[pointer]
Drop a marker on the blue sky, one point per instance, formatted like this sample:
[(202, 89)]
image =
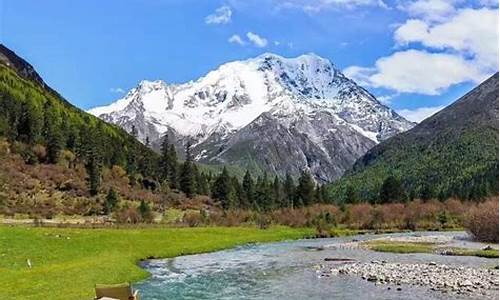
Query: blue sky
[(416, 55)]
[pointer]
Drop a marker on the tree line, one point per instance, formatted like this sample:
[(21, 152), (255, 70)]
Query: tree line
[(255, 193)]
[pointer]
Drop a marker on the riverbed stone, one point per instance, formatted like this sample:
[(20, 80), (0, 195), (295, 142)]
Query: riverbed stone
[(437, 277)]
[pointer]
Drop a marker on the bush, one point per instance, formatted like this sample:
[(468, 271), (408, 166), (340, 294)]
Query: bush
[(4, 147), (128, 215), (482, 221), (40, 152), (193, 218)]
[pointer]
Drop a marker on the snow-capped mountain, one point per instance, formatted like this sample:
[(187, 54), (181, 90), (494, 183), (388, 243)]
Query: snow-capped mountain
[(273, 113)]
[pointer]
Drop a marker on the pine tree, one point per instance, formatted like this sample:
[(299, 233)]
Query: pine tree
[(277, 193), (350, 195), (111, 200), (248, 187), (202, 186), (391, 190), (263, 193), (221, 189), (93, 167), (289, 190), (236, 195), (164, 158), (145, 212), (28, 124), (52, 134), (187, 177), (172, 167), (305, 189)]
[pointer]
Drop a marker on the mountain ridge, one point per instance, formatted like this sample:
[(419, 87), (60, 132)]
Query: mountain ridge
[(212, 111)]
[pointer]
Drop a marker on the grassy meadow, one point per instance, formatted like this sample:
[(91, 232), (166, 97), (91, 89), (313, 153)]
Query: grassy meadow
[(66, 263), (420, 247)]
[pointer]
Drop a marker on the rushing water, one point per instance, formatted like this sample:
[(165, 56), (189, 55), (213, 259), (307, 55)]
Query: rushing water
[(283, 270)]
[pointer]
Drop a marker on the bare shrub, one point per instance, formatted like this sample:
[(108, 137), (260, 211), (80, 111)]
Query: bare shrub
[(482, 221), (359, 216), (40, 152), (127, 215), (193, 218)]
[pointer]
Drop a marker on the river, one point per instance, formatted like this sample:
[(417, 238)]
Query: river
[(286, 270)]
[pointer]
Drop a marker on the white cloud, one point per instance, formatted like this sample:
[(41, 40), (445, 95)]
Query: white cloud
[(117, 90), (276, 43), (417, 71), (471, 32), (419, 114), (222, 15), (455, 45), (257, 40), (430, 10), (386, 99), (236, 39)]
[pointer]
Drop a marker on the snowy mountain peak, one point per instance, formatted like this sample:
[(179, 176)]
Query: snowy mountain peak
[(298, 93)]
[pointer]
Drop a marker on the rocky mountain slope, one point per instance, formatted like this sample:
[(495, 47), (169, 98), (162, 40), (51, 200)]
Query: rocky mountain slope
[(453, 153), (280, 115)]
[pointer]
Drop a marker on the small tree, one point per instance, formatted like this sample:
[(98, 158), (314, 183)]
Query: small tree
[(305, 189), (93, 167), (111, 201), (52, 133), (172, 166), (391, 190), (289, 190), (248, 187), (187, 177), (221, 189), (145, 212)]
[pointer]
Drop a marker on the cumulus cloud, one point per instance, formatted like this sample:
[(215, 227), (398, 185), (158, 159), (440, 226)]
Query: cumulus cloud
[(471, 32), (430, 10), (257, 40), (117, 90), (417, 71), (419, 114), (236, 39), (222, 15), (453, 45)]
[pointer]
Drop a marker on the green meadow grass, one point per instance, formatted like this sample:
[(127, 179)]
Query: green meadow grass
[(491, 253), (409, 247), (66, 263), (400, 247)]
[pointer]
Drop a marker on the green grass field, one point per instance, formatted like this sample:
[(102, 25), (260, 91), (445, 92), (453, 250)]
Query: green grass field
[(66, 263)]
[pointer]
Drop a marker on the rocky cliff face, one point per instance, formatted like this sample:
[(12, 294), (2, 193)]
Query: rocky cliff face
[(273, 113)]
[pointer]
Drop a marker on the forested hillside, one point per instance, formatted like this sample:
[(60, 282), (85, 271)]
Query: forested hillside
[(57, 158), (453, 153)]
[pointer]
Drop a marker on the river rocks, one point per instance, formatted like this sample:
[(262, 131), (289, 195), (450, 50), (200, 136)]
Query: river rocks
[(437, 277)]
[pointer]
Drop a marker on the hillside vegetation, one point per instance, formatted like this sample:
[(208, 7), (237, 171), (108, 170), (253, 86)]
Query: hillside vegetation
[(60, 160), (454, 153)]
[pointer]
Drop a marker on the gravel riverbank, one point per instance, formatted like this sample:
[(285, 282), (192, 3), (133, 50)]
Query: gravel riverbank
[(438, 277)]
